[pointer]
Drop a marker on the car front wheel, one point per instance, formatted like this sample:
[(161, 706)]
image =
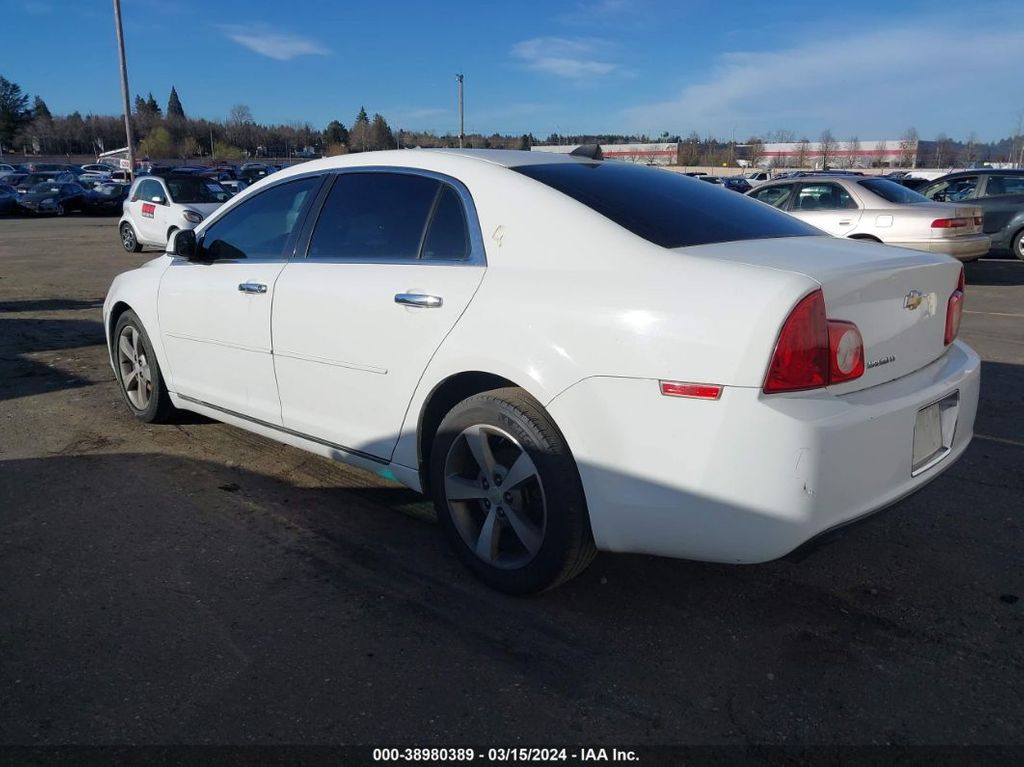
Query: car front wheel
[(138, 372), (508, 494), (128, 238)]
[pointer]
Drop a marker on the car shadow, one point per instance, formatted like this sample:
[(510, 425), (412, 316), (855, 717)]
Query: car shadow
[(50, 305), (990, 271), (21, 374)]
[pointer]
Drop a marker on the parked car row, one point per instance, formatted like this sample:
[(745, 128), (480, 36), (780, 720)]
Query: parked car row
[(965, 214), (51, 193)]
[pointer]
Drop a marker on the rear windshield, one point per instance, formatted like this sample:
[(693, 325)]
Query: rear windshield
[(666, 208), (891, 191)]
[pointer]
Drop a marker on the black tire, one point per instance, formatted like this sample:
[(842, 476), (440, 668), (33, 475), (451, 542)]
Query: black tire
[(566, 545), (59, 210), (170, 234), (129, 240), (158, 407), (1017, 245)]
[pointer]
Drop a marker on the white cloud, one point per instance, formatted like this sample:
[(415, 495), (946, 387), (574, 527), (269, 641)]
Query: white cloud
[(571, 58), (275, 45), (856, 83)]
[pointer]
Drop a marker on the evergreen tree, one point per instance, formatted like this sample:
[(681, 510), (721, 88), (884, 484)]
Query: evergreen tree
[(40, 111), (381, 136), (335, 133), (140, 105), (152, 107), (359, 136), (13, 110), (174, 108)]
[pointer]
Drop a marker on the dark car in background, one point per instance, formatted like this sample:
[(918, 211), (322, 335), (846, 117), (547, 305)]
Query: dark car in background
[(53, 198), (107, 198), (1000, 195), (8, 199), (736, 184), (31, 180)]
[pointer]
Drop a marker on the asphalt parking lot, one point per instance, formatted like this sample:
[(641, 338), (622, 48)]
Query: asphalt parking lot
[(194, 583)]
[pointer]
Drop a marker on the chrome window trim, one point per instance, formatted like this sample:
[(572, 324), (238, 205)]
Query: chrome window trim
[(477, 254)]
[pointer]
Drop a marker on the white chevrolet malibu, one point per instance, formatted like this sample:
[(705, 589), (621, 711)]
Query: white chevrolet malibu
[(566, 354)]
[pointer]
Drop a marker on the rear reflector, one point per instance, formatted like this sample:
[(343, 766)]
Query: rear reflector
[(950, 223), (695, 391), (955, 310)]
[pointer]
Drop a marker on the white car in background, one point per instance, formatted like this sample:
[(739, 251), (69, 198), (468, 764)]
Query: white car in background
[(566, 354), (879, 209), (158, 206)]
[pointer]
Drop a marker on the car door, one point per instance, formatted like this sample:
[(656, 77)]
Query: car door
[(826, 205), (392, 262), (143, 209), (1001, 197), (215, 313)]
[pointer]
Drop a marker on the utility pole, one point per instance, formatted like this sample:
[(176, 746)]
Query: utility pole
[(124, 91), (462, 123)]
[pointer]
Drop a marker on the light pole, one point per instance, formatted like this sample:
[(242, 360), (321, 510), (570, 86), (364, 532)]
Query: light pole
[(462, 124), (124, 90)]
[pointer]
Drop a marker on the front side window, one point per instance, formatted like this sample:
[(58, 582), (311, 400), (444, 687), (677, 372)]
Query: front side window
[(147, 190), (823, 197), (776, 196), (262, 226), (952, 190), (1000, 185), (390, 216)]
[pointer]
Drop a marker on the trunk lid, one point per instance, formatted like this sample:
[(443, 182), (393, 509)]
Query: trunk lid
[(896, 297)]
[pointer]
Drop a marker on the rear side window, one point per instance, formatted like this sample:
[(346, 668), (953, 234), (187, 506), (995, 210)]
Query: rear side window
[(823, 197), (448, 237), (1000, 185), (891, 191), (665, 208), (374, 216)]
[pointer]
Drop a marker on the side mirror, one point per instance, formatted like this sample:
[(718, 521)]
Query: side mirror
[(158, 199), (183, 243)]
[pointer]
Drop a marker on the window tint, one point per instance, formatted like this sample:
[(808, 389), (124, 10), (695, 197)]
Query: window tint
[(147, 190), (262, 225), (891, 191), (998, 185), (823, 197), (665, 208), (448, 237), (953, 190), (371, 216), (777, 196)]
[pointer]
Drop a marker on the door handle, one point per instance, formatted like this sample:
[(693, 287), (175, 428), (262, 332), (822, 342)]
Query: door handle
[(252, 287), (845, 222), (419, 299)]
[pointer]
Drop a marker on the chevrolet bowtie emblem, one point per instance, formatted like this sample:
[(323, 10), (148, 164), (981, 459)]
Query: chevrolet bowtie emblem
[(913, 300)]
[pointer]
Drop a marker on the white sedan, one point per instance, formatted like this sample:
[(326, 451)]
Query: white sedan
[(880, 210), (566, 354)]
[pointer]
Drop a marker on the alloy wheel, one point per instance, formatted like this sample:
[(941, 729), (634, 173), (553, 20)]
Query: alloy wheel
[(136, 377), (495, 496), (127, 237)]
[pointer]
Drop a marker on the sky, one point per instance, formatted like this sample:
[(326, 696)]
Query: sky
[(727, 69)]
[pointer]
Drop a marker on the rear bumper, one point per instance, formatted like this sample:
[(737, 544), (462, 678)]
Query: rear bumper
[(749, 478), (965, 248)]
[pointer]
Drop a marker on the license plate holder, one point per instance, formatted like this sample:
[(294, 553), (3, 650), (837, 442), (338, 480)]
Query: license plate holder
[(934, 429)]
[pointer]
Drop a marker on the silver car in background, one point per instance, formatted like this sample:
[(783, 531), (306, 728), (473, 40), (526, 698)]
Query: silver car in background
[(869, 208)]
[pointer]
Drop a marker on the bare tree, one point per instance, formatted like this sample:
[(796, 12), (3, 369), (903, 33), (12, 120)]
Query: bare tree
[(827, 147), (852, 152), (943, 150), (802, 152), (971, 149), (755, 150), (880, 154), (908, 148)]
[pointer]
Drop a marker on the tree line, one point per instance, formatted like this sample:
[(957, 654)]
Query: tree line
[(28, 127)]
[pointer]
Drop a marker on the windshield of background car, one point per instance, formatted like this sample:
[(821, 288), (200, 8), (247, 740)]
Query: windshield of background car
[(196, 190), (891, 191), (45, 187), (109, 189), (666, 208)]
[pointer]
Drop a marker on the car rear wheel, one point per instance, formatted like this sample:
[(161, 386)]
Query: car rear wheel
[(508, 494), (138, 372), (1018, 245), (128, 238), (59, 210)]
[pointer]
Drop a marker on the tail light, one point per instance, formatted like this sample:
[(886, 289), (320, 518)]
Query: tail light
[(955, 310), (950, 223), (814, 351)]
